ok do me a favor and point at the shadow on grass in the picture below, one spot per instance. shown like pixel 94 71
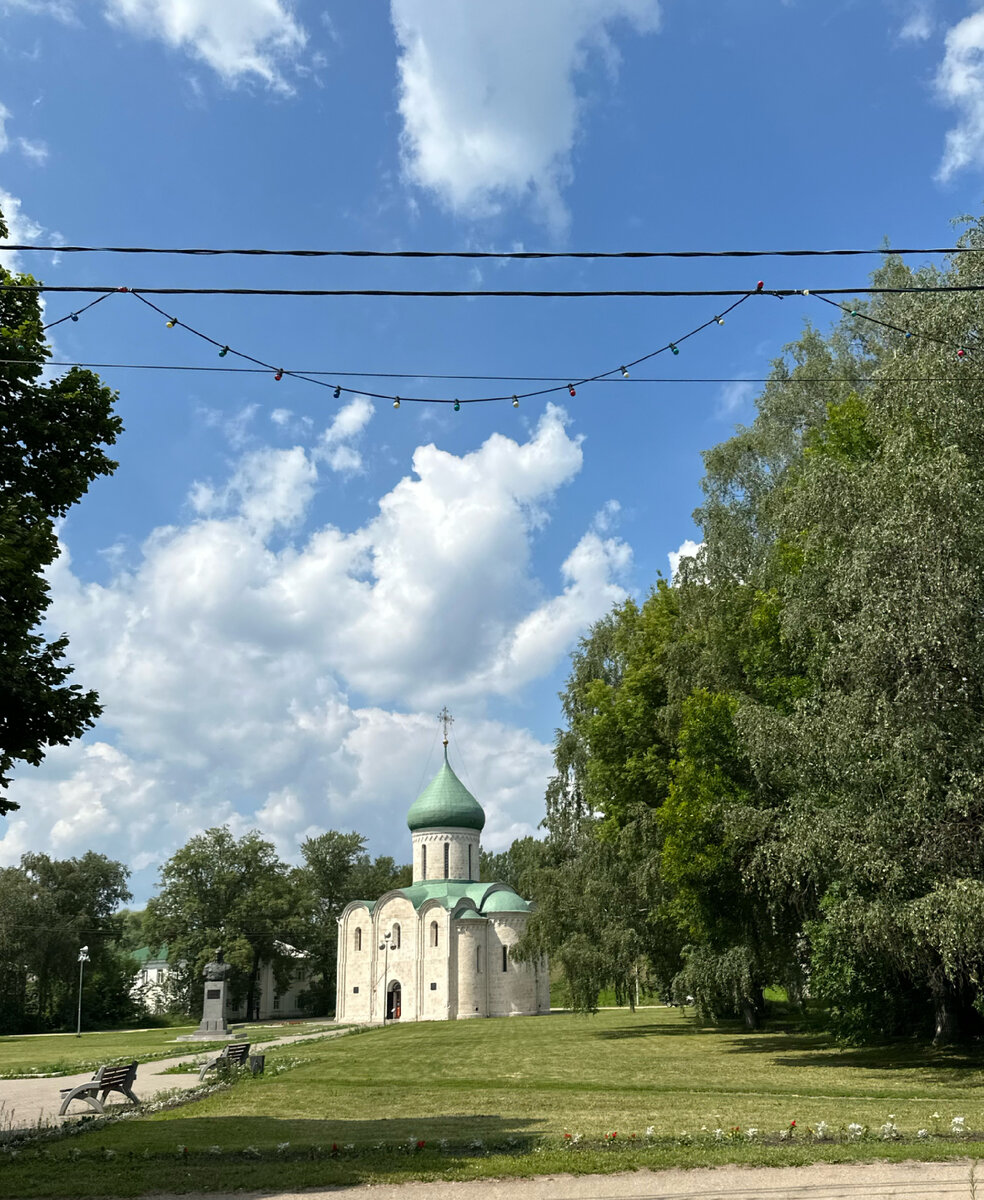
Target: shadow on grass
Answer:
pixel 234 1133
pixel 818 1050
pixel 660 1031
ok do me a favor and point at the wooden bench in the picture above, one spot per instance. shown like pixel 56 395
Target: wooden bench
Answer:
pixel 233 1055
pixel 105 1080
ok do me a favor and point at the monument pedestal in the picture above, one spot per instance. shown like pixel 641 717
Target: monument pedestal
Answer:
pixel 213 1024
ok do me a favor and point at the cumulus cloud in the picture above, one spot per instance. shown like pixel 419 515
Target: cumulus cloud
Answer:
pixel 4 118
pixel 960 84
pixel 335 446
pixel 259 671
pixel 238 39
pixel 488 98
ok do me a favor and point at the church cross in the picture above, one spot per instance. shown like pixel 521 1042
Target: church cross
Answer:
pixel 446 720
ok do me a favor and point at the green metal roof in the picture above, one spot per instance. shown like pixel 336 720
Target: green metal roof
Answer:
pixel 446 802
pixel 452 893
pixel 148 954
pixel 506 900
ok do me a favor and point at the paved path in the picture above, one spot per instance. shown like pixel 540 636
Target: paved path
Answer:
pixel 823 1181
pixel 25 1103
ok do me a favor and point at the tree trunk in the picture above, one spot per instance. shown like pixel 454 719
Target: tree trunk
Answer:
pixel 251 989
pixel 947 1013
pixel 750 1013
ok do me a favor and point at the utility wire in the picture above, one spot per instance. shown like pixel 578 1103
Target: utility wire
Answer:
pixel 779 293
pixel 100 366
pixel 497 254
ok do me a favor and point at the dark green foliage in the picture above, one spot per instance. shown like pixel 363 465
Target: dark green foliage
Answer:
pixel 800 714
pixel 49 908
pixel 51 448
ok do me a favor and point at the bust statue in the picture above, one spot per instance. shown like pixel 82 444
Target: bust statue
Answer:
pixel 216 971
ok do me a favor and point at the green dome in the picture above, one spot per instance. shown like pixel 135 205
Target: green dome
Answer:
pixel 505 900
pixel 445 802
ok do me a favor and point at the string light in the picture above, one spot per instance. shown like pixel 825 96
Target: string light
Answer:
pixel 760 285
pixel 962 352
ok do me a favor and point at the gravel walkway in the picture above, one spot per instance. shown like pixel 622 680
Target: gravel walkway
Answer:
pixel 823 1181
pixel 25 1103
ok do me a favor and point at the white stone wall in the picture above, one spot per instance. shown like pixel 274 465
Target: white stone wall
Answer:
pixel 511 991
pixel 463 854
pixel 434 966
pixel 472 973
pixel 401 962
pixel 354 966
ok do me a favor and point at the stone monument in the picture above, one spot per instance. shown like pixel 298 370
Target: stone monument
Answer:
pixel 213 1024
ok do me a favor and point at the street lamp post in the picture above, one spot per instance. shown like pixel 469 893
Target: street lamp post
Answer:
pixel 83 959
pixel 384 945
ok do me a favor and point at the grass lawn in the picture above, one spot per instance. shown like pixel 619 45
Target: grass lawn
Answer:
pixel 65 1054
pixel 503 1093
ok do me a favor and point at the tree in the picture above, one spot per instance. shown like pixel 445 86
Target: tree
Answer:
pixel 336 871
pixel 51 449
pixel 218 890
pixel 48 909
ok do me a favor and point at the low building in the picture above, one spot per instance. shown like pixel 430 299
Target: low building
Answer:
pixel 440 949
pixel 154 987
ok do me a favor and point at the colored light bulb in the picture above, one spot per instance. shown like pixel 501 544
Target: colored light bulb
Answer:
pixel 570 388
pixel 171 322
pixel 396 401
pixel 457 406
pixel 675 349
pixel 338 391
pixel 515 402
pixel 625 372
pixel 760 285
pixel 720 320
pixel 74 316
pixel 279 375
pixel 223 352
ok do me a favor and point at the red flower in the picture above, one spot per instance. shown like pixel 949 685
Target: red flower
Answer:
pixel 421 1145
pixel 567 1137
pixel 792 1124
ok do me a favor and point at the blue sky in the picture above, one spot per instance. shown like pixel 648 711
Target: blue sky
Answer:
pixel 277 591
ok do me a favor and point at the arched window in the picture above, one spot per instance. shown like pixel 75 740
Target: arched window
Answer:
pixel 478 959
pixel 423 862
pixel 434 933
pixel 358 939
pixel 396 937
pixel 505 954
pixel 469 861
pixel 447 859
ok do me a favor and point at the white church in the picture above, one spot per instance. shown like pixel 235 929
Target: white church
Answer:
pixel 439 950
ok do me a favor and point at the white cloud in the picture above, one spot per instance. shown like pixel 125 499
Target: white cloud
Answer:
pixel 4 118
pixel 734 396
pixel 689 549
pixel 238 39
pixel 350 420
pixel 22 230
pixel 960 84
pixel 36 152
pixel 919 23
pixel 487 94
pixel 260 672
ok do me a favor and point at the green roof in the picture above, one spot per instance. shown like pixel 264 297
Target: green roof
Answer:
pixel 445 802
pixel 148 954
pixel 506 900
pixel 455 894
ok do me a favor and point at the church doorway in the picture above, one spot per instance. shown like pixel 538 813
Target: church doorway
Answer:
pixel 393 1002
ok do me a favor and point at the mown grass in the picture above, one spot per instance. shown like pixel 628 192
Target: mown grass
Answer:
pixel 66 1054
pixel 515 1087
